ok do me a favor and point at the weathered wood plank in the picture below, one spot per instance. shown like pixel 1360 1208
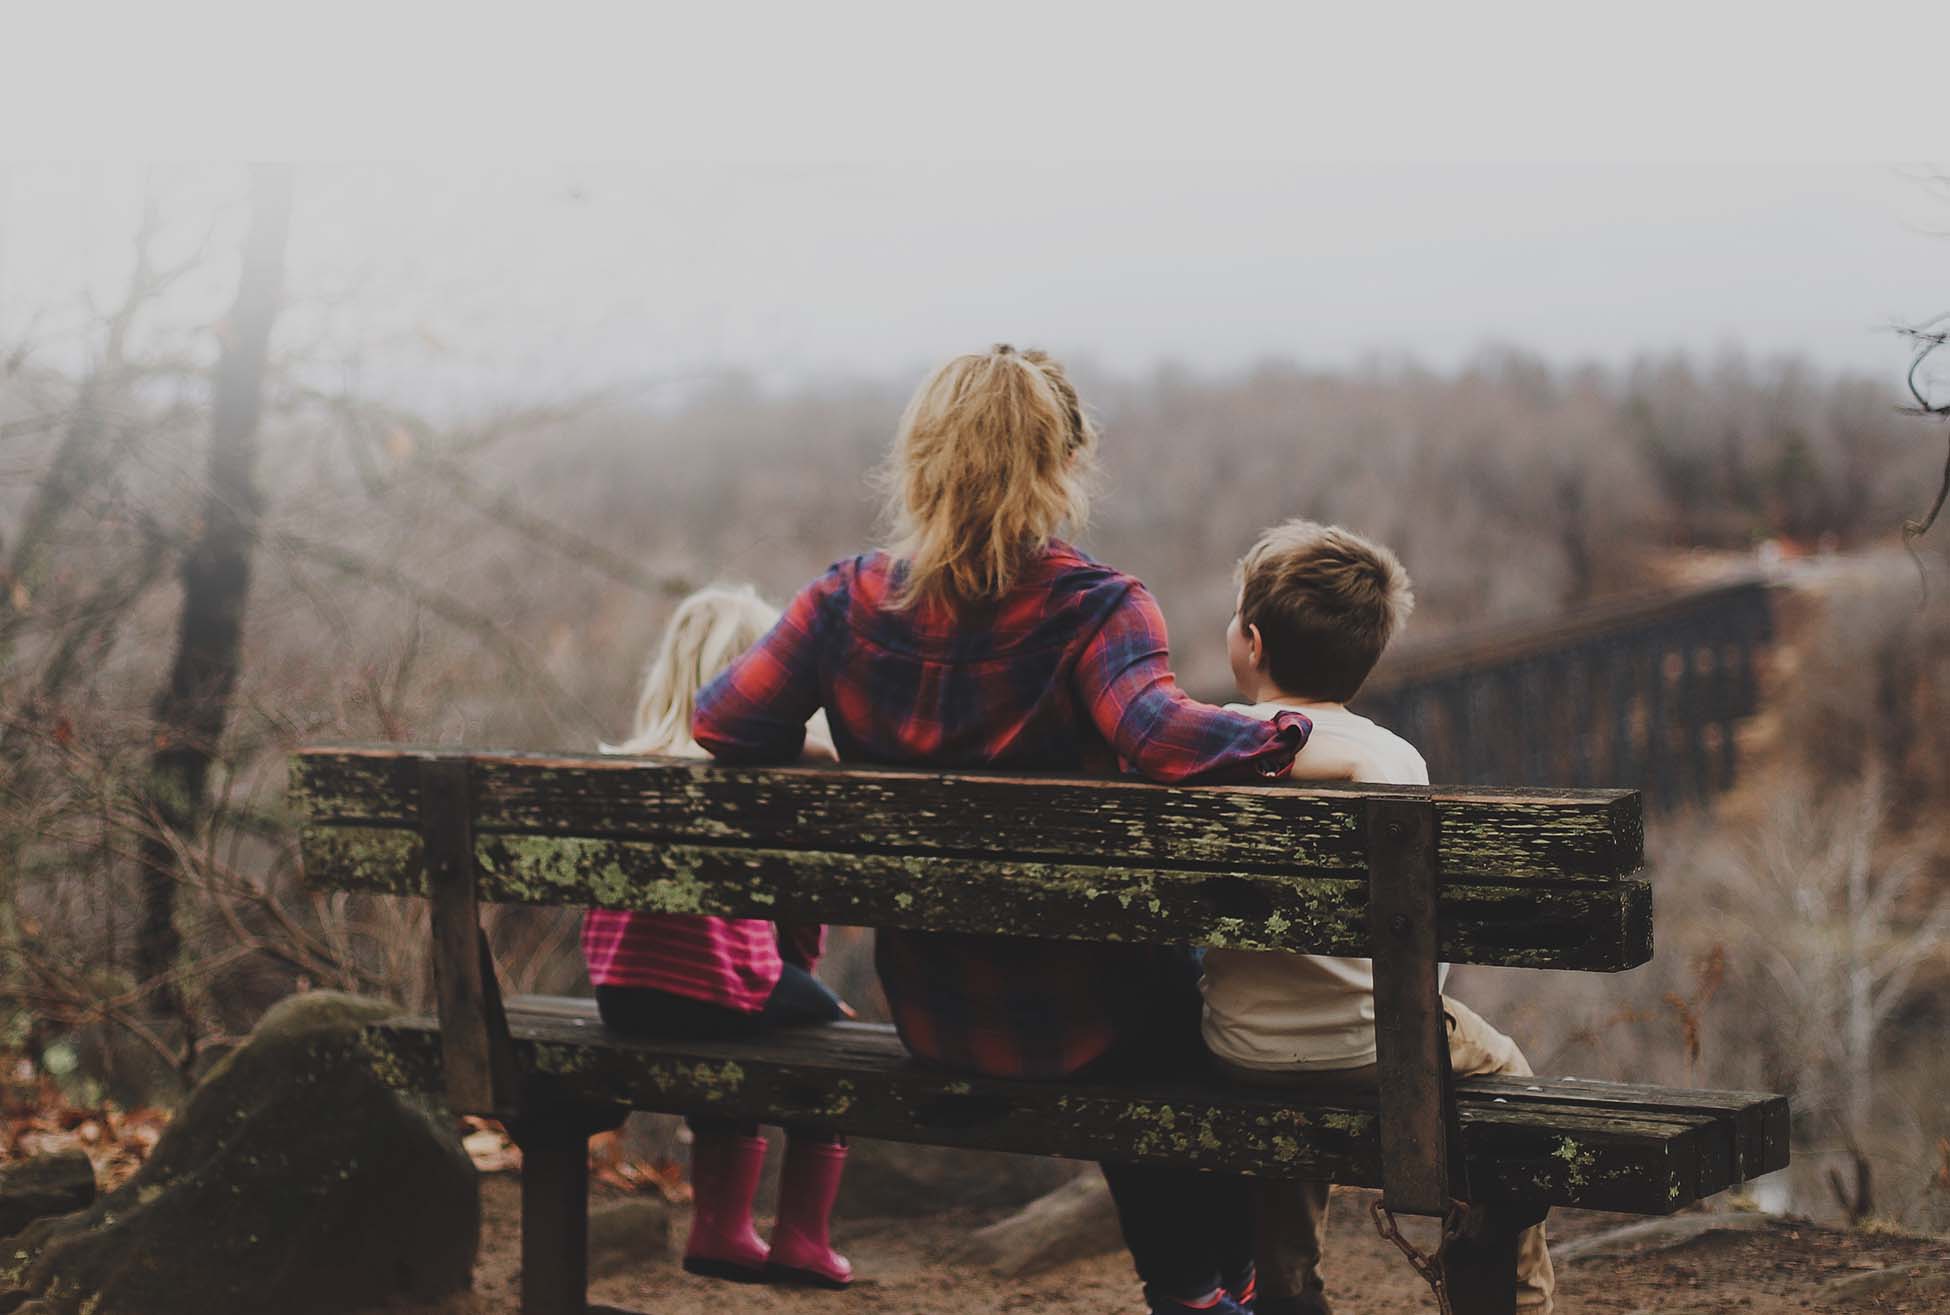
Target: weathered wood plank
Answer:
pixel 1758 1119
pixel 855 1079
pixel 1495 836
pixel 1411 1040
pixel 1593 928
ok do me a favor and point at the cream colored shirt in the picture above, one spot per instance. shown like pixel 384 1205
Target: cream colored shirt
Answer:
pixel 1270 1010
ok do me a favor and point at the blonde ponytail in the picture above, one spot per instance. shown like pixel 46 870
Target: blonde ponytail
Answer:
pixel 993 457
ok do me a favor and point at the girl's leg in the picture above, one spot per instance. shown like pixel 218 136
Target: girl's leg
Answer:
pixel 727 1155
pixel 639 1011
pixel 802 1250
pixel 799 999
pixel 725 1168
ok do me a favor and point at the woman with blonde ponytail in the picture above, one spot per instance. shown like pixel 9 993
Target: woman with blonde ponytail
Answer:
pixel 980 638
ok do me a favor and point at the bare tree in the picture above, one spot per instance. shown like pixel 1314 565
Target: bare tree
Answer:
pixel 1852 922
pixel 194 705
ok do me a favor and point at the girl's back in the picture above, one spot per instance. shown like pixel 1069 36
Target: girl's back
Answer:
pixel 731 962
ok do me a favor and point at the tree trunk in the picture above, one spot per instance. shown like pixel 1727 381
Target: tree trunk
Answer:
pixel 193 707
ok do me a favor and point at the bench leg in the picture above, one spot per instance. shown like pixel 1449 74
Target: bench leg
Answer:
pixel 1481 1264
pixel 555 1226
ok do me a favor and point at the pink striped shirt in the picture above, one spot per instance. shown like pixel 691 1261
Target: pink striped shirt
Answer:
pixel 730 962
pixel 733 962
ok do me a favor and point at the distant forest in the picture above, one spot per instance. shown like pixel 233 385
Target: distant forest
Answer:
pixel 500 582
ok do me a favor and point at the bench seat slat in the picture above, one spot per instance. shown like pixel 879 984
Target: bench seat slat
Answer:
pixel 1499 836
pixel 855 1078
pixel 1758 1119
pixel 1596 928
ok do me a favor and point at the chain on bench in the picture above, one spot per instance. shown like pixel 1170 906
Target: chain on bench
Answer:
pixel 1429 1264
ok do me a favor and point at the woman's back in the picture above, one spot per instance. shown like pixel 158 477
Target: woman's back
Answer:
pixel 987 687
pixel 1068 671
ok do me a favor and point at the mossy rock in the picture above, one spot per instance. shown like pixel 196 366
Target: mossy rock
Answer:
pixel 55 1184
pixel 291 1180
pixel 894 1180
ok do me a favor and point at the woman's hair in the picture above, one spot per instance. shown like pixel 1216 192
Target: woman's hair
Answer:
pixel 707 633
pixel 993 456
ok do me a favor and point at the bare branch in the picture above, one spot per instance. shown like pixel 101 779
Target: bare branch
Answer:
pixel 479 624
pixel 504 510
pixel 1928 338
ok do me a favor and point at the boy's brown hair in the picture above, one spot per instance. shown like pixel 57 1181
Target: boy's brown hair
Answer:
pixel 1326 602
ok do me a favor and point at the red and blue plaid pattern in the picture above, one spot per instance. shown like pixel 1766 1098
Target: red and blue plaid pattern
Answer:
pixel 1069 672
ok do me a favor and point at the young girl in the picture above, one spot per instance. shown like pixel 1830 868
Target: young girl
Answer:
pixel 691 977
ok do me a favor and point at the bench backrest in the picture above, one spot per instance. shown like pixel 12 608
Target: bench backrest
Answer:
pixel 1526 878
pixel 1408 877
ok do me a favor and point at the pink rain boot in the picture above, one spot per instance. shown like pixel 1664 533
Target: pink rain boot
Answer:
pixel 801 1252
pixel 724 1179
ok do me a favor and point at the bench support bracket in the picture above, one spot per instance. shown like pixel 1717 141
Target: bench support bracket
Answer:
pixel 477 1052
pixel 1419 1174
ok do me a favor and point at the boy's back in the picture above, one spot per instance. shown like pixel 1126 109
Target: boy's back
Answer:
pixel 1272 1010
pixel 1317 607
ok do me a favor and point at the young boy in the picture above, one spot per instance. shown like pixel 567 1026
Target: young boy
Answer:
pixel 1317 605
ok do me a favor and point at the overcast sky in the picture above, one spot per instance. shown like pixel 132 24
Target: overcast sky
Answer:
pixel 463 283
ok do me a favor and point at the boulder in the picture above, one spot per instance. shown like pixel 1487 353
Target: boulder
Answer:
pixel 291 1180
pixel 1075 1222
pixel 631 1233
pixel 897 1179
pixel 1908 1282
pixel 1654 1235
pixel 55 1184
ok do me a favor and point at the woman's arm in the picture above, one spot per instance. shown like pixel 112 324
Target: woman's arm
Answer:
pixel 1124 677
pixel 756 709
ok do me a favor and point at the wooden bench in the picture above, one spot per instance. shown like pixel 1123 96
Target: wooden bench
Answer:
pixel 1411 877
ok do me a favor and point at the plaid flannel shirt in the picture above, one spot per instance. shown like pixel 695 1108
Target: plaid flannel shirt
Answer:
pixel 1069 672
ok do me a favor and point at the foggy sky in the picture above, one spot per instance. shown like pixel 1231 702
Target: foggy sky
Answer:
pixel 457 284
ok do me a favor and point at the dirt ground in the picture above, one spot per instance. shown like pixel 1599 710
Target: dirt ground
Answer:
pixel 900 1266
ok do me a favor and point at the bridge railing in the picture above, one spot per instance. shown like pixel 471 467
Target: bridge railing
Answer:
pixel 1643 692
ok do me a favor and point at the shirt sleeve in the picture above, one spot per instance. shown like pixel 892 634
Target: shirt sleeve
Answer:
pixel 755 711
pixel 1124 678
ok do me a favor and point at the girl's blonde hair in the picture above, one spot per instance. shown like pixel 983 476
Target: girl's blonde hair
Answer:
pixel 706 634
pixel 993 456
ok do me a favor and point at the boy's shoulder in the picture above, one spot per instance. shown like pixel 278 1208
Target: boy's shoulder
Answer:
pixel 1372 751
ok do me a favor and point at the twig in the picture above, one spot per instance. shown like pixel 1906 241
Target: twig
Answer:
pixel 1928 338
pixel 478 624
pixel 506 511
